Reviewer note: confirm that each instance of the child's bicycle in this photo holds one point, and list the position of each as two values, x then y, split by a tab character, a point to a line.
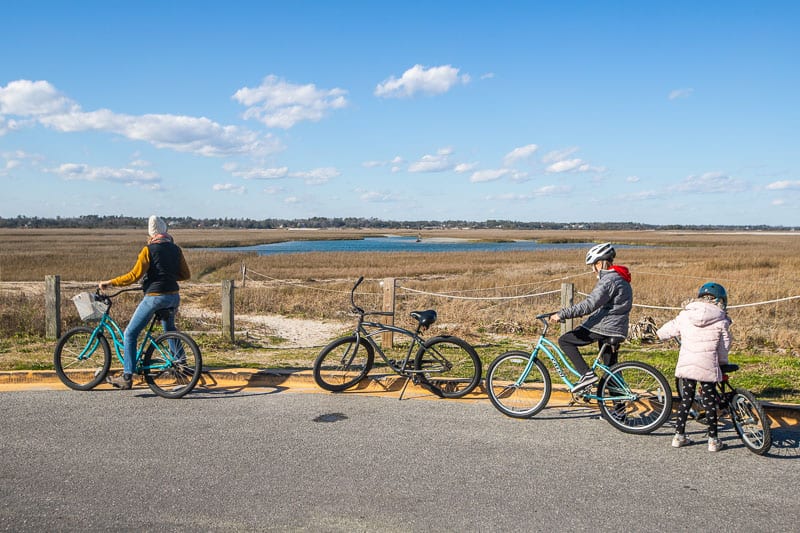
746	413
633	397
170	362
446	365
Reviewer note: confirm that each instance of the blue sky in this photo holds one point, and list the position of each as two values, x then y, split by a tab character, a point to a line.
652	112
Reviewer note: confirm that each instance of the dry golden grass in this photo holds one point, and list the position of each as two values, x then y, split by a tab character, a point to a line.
753	267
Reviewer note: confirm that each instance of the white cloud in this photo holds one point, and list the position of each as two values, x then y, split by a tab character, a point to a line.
558	155
378	197
418	79
279	104
633	179
316	176
782	185
482	176
126	176
229	187
520	153
567	165
464	167
40	102
710	182
433	163
680	93
33	98
551	190
261	173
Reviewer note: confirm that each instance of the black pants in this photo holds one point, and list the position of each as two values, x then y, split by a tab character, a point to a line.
571	340
708	401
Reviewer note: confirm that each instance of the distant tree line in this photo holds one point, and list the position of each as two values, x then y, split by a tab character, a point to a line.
124	222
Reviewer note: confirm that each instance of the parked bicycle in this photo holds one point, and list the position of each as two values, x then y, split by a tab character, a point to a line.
740	405
170	362
447	365
633	397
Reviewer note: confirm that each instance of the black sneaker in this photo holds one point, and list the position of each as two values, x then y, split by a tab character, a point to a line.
122	382
589	378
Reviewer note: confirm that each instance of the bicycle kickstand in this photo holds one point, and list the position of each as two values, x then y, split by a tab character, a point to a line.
403	391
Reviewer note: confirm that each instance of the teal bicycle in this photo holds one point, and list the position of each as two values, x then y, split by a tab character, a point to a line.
170	362
633	397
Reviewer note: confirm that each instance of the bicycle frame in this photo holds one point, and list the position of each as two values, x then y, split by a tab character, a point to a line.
109	325
559	361
362	332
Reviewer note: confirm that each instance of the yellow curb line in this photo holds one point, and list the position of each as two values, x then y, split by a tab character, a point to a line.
781	415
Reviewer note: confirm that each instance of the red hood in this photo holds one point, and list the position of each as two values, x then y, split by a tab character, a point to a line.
622	271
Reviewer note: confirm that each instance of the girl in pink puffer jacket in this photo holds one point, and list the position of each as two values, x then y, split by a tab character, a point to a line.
704	331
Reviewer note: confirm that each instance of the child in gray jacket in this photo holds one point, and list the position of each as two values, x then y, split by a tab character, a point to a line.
608	306
704	330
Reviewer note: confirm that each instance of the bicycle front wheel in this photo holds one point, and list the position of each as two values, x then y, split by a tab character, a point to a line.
514	392
635	398
750	421
343	363
82	359
172	364
450	365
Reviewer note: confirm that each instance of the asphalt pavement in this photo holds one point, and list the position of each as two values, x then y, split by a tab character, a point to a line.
268	458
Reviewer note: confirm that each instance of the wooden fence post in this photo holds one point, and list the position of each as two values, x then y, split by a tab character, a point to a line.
567	299
52	307
227	310
387	337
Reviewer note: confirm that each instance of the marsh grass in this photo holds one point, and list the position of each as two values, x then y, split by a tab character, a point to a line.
667	268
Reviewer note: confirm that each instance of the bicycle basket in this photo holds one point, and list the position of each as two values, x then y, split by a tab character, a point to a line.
89	307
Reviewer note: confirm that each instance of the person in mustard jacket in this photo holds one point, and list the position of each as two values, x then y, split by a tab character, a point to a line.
160	266
704	330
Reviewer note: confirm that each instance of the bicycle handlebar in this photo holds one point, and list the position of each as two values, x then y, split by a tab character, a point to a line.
101	294
361	310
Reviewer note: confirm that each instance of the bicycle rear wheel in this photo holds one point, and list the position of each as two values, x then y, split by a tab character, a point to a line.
450	365
512	394
172	364
82	361
343	363
750	421
635	398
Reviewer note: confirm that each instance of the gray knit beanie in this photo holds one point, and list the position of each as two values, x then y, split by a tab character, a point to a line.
156	225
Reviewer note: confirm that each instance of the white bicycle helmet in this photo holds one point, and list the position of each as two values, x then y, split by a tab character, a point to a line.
600	252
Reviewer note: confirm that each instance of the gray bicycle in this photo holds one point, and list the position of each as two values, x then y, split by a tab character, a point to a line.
448	366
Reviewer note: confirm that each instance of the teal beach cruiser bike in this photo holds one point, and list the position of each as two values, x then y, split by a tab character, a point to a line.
633	397
170	362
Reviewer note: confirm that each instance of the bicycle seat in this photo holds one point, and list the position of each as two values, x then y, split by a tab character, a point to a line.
726	369
164	314
425	318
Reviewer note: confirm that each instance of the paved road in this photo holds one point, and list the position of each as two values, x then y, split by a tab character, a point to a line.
271	459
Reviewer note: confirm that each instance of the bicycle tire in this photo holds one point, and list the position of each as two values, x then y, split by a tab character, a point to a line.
750	422
635	398
343	363
172	364
522	401
81	373
449	365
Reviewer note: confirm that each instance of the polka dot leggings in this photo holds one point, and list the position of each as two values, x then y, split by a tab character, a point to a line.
707	400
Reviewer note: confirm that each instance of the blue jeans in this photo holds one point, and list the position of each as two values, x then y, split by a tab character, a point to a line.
141	317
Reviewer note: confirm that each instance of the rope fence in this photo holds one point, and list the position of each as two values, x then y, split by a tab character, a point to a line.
247	274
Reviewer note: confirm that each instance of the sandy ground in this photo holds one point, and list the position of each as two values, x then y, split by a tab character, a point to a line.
276	330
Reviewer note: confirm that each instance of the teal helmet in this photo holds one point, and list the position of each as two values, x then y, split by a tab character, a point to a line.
714	289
